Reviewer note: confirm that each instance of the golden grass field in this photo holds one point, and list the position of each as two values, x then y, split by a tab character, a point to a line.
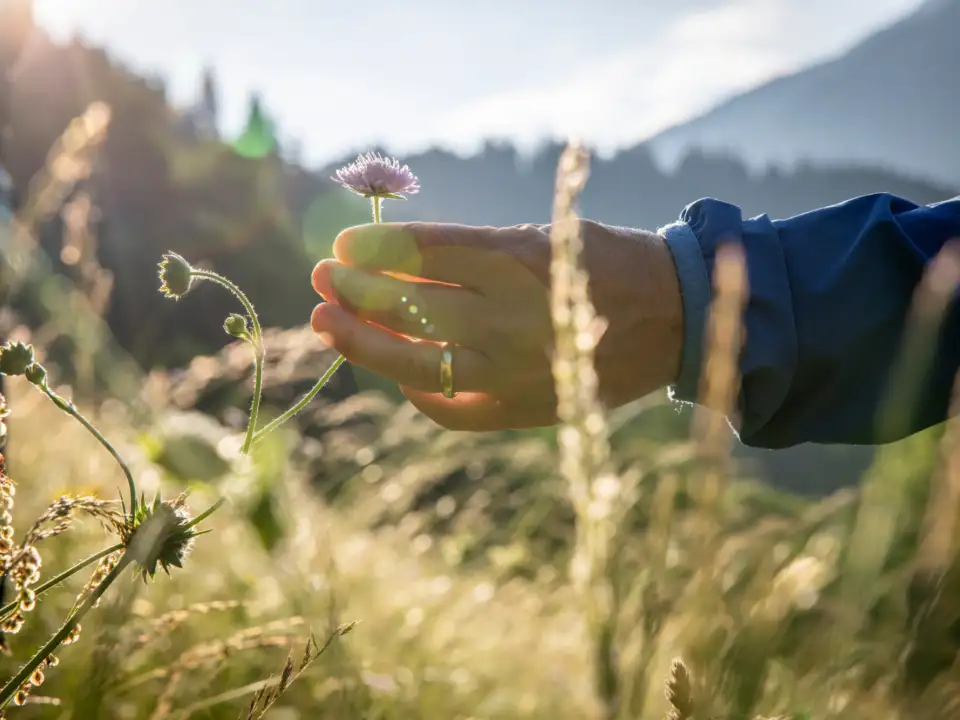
542	574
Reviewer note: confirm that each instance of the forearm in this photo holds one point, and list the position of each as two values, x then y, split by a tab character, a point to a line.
829	296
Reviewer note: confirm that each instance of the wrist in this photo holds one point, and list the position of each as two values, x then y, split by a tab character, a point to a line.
635	286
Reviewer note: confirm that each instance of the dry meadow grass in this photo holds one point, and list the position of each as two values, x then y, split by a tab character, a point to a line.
517	575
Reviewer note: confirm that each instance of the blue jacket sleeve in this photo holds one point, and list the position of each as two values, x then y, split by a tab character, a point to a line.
829	295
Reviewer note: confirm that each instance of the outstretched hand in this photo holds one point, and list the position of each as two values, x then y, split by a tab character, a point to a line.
396	291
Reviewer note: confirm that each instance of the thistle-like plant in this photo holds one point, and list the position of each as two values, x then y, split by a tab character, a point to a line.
372	176
151	536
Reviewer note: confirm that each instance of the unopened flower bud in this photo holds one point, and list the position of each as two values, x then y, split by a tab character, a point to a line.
176	276
36	374
236	325
15	358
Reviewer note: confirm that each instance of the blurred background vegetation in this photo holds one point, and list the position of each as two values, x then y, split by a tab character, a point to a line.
452	550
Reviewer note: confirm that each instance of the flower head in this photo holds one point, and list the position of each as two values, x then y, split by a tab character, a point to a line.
176	276
373	175
15	358
160	535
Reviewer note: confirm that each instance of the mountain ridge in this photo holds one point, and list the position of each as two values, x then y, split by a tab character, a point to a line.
851	109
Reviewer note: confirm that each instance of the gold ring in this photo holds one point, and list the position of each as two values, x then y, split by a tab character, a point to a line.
446	370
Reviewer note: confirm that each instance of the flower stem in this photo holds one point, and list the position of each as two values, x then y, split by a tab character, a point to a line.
14	684
377	205
304	401
9	608
258	349
71	409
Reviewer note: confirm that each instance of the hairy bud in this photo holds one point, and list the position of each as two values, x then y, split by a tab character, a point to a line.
236	325
36	374
176	276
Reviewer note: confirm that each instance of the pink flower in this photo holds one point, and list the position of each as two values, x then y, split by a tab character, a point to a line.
373	175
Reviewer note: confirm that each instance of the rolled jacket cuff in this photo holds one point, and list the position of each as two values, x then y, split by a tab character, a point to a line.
695	293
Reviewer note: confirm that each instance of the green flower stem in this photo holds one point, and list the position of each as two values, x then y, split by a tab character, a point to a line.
377	205
258	350
255	405
14	684
71	409
9	608
304	401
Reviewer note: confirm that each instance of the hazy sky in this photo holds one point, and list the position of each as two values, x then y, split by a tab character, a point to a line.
340	75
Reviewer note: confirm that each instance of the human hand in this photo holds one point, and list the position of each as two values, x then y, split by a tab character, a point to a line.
397	290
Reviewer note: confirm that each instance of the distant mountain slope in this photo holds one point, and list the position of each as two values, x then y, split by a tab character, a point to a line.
499	186
891	101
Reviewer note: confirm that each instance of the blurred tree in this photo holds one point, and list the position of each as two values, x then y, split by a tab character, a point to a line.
210	101
16	26
258	139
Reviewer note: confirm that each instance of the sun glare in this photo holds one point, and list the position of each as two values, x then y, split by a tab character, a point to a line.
66	15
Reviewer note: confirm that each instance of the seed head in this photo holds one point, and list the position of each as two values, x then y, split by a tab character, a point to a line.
15	358
679	691
159	535
236	325
176	276
4	413
373	175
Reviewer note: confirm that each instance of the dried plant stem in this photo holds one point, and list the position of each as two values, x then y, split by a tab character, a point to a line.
720	385
881	499
13	685
938	540
596	492
71	410
258	349
9	608
264	700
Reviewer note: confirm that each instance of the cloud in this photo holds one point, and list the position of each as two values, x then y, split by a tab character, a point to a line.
628	95
702	58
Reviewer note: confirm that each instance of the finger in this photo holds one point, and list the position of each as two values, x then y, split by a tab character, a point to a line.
406	362
478	412
457	254
425	310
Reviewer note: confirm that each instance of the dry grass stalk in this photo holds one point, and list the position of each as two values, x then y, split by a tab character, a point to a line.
204	654
720	378
940	532
167	622
268	695
939	541
679	692
881	500
598	495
